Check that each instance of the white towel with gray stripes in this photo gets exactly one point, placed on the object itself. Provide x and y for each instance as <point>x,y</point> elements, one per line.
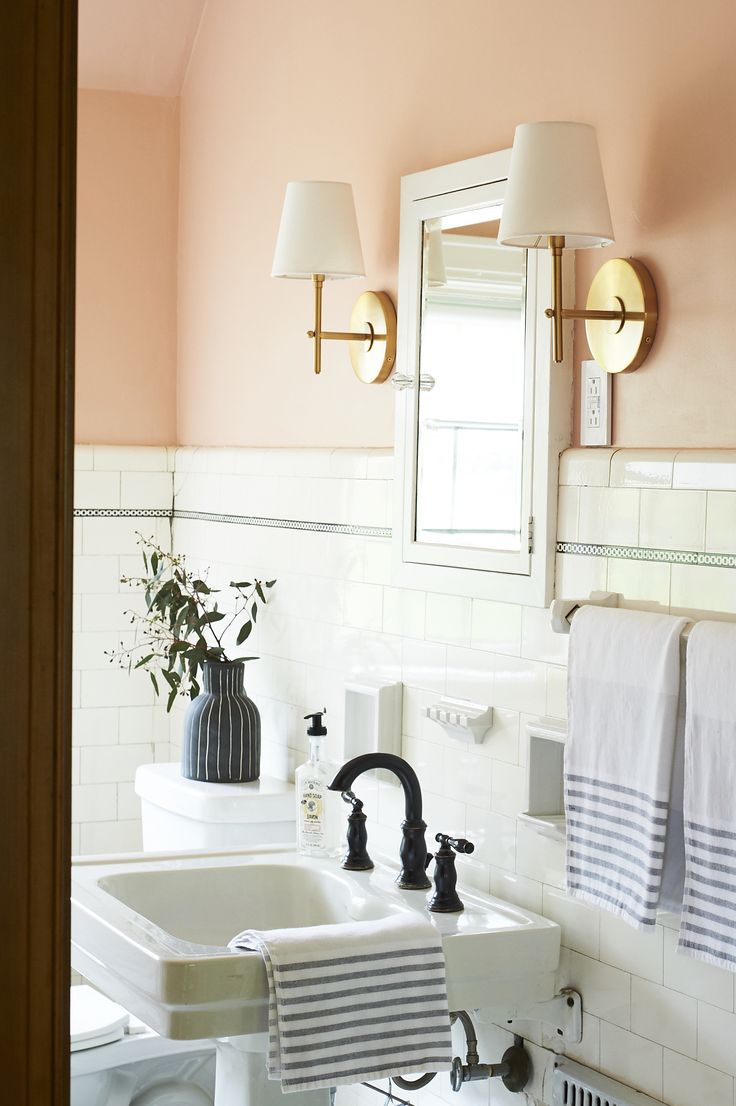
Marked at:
<point>353,1001</point>
<point>708,920</point>
<point>623,692</point>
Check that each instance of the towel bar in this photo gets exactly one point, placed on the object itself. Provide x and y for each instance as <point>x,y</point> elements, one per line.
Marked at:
<point>561,612</point>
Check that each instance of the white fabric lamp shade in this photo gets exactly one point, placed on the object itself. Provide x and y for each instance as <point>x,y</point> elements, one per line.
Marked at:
<point>556,187</point>
<point>318,232</point>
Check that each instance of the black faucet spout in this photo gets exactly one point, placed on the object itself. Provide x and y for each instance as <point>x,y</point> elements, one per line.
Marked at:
<point>413,850</point>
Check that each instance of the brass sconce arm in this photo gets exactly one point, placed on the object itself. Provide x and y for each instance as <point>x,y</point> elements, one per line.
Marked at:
<point>369,335</point>
<point>640,294</point>
<point>319,335</point>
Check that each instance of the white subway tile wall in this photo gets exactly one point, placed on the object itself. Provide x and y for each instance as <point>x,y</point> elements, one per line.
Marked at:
<point>116,723</point>
<point>653,1019</point>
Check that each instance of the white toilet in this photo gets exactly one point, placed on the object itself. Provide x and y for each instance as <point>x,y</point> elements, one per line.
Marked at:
<point>115,1060</point>
<point>183,815</point>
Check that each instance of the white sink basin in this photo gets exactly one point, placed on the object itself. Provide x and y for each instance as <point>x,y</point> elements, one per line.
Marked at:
<point>152,933</point>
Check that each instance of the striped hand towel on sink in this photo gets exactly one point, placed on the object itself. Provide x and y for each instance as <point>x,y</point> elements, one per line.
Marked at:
<point>623,692</point>
<point>353,1001</point>
<point>708,920</point>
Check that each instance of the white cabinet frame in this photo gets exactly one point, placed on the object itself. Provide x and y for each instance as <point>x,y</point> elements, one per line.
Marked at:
<point>527,576</point>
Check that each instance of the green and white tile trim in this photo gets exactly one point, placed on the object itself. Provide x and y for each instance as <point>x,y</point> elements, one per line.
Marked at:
<point>574,548</point>
<point>287,523</point>
<point>642,553</point>
<point>237,520</point>
<point>122,512</point>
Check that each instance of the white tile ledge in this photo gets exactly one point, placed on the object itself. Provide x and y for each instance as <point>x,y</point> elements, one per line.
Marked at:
<point>133,458</point>
<point>642,468</point>
<point>711,469</point>
<point>700,469</point>
<point>586,466</point>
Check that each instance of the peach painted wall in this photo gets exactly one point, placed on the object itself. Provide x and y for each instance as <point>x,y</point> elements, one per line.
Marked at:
<point>336,90</point>
<point>127,178</point>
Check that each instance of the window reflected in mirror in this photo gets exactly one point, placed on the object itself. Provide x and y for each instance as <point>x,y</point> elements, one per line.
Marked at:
<point>471,375</point>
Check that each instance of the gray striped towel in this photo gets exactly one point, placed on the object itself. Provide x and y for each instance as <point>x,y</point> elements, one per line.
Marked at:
<point>353,1001</point>
<point>708,920</point>
<point>623,692</point>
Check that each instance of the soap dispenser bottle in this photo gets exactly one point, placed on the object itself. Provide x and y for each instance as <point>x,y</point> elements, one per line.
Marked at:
<point>315,816</point>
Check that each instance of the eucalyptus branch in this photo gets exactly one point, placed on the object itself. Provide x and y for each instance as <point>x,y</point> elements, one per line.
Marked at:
<point>181,615</point>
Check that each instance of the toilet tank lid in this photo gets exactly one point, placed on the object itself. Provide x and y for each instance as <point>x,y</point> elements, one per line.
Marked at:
<point>94,1019</point>
<point>264,800</point>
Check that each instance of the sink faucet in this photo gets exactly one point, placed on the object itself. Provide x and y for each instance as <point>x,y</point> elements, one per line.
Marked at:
<point>413,850</point>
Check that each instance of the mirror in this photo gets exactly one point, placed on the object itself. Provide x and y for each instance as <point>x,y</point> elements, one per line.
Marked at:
<point>471,396</point>
<point>481,416</point>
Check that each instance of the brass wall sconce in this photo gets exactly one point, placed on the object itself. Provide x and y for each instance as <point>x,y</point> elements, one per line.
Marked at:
<point>557,199</point>
<point>318,240</point>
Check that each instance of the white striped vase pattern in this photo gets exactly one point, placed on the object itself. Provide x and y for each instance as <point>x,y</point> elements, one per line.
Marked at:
<point>222,729</point>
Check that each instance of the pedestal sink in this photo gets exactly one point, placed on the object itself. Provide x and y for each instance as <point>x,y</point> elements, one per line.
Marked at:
<point>152,931</point>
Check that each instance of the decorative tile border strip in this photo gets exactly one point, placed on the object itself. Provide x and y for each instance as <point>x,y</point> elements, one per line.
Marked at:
<point>644,553</point>
<point>287,523</point>
<point>122,512</point>
<point>237,520</point>
<point>574,548</point>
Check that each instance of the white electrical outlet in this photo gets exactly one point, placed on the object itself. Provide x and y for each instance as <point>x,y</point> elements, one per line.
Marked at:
<point>595,405</point>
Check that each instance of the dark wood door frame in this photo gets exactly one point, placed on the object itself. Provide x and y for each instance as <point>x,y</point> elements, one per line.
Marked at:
<point>38,43</point>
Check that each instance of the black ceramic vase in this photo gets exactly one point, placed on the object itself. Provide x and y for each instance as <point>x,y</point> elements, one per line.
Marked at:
<point>222,729</point>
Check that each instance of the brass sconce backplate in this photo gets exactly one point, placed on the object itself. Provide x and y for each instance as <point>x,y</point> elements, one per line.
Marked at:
<point>373,359</point>
<point>621,344</point>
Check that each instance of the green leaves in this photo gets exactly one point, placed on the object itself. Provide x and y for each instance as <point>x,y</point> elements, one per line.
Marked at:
<point>171,679</point>
<point>182,626</point>
<point>210,617</point>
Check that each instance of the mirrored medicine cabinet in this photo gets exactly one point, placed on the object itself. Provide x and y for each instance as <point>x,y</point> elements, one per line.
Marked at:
<point>482,412</point>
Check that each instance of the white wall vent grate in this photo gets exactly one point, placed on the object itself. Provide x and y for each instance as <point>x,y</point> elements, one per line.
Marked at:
<point>575,1085</point>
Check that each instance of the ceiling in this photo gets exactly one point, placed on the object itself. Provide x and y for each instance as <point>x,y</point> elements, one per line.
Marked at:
<point>137,45</point>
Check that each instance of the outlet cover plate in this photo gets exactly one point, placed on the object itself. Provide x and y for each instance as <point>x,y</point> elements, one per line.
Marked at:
<point>595,404</point>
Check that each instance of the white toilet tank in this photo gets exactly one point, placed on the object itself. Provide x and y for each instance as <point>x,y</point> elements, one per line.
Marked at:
<point>180,814</point>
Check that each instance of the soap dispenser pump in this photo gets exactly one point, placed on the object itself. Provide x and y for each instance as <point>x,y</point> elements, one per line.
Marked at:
<point>317,729</point>
<point>316,829</point>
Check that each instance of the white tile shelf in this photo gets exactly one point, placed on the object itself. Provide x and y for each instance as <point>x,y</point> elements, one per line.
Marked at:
<point>546,825</point>
<point>545,812</point>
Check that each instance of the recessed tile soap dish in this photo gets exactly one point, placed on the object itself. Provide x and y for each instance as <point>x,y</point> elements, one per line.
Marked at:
<point>461,719</point>
<point>545,811</point>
